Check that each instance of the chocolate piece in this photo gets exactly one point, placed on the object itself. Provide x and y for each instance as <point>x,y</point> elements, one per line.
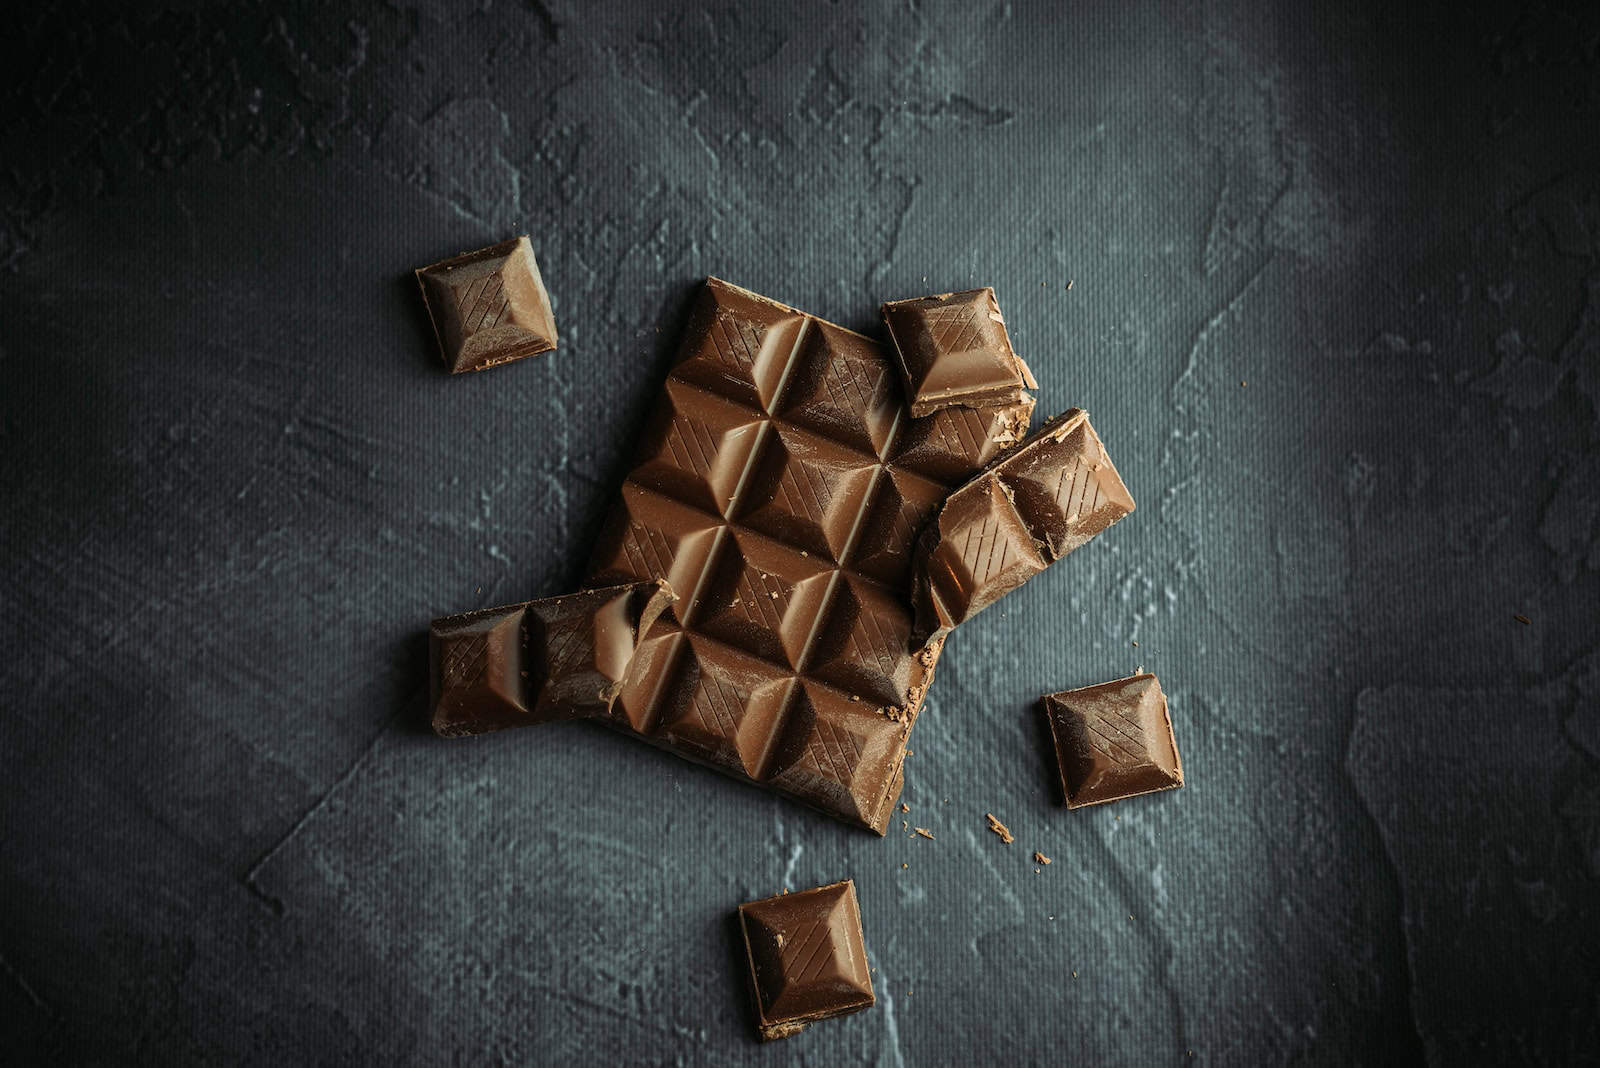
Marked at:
<point>1048,496</point>
<point>780,487</point>
<point>558,658</point>
<point>808,961</point>
<point>954,349</point>
<point>488,306</point>
<point>1113,741</point>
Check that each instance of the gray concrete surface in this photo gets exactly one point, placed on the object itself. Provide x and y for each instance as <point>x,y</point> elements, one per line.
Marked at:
<point>1334,303</point>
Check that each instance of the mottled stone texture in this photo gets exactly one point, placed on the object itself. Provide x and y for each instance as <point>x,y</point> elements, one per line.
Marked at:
<point>237,485</point>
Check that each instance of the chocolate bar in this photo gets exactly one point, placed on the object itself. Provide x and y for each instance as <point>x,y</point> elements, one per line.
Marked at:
<point>954,349</point>
<point>808,960</point>
<point>538,661</point>
<point>489,306</point>
<point>1113,741</point>
<point>779,488</point>
<point>1045,498</point>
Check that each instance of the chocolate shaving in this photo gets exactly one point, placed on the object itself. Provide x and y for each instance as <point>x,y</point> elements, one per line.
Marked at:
<point>999,828</point>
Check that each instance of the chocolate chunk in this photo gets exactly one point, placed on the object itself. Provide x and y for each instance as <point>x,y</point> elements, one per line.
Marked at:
<point>780,487</point>
<point>954,349</point>
<point>557,658</point>
<point>808,961</point>
<point>1045,498</point>
<point>488,306</point>
<point>1113,740</point>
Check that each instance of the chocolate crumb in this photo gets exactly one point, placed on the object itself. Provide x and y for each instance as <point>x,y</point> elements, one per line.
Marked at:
<point>1040,858</point>
<point>1524,620</point>
<point>999,828</point>
<point>924,832</point>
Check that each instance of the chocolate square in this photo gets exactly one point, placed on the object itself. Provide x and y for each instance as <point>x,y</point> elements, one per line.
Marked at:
<point>953,349</point>
<point>808,960</point>
<point>488,306</point>
<point>1113,740</point>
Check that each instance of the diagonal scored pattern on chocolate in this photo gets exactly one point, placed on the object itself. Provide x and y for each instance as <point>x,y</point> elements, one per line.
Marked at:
<point>807,958</point>
<point>1047,497</point>
<point>538,661</point>
<point>780,487</point>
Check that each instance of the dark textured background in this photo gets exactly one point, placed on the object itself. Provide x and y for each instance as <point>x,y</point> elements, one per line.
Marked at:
<point>237,485</point>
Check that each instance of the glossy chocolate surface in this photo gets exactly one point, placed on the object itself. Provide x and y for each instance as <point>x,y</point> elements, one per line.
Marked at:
<point>954,349</point>
<point>488,307</point>
<point>807,956</point>
<point>539,661</point>
<point>1045,498</point>
<point>1113,740</point>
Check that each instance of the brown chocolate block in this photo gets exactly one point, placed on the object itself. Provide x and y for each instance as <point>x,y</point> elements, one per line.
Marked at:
<point>488,306</point>
<point>808,960</point>
<point>1113,741</point>
<point>1043,499</point>
<point>780,487</point>
<point>557,658</point>
<point>953,349</point>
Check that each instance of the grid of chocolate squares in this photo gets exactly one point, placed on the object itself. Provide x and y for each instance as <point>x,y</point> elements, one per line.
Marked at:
<point>809,515</point>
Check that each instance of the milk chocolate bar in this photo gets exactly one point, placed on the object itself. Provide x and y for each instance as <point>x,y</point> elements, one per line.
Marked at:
<point>779,487</point>
<point>954,349</point>
<point>1113,741</point>
<point>489,306</point>
<point>1044,499</point>
<point>807,957</point>
<point>538,661</point>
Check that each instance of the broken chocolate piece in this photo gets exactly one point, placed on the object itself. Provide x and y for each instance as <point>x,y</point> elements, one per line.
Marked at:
<point>953,349</point>
<point>1045,498</point>
<point>808,960</point>
<point>557,658</point>
<point>1113,741</point>
<point>780,487</point>
<point>489,306</point>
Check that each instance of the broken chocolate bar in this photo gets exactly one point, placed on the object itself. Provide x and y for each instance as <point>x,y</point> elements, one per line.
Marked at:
<point>954,349</point>
<point>808,960</point>
<point>488,307</point>
<point>557,658</point>
<point>1113,741</point>
<point>1045,498</point>
<point>780,487</point>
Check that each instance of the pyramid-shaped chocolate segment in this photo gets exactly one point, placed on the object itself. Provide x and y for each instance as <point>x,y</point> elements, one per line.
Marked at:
<point>557,658</point>
<point>1067,485</point>
<point>983,552</point>
<point>808,960</point>
<point>477,671</point>
<point>488,306</point>
<point>1056,490</point>
<point>1113,741</point>
<point>954,349</point>
<point>587,641</point>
